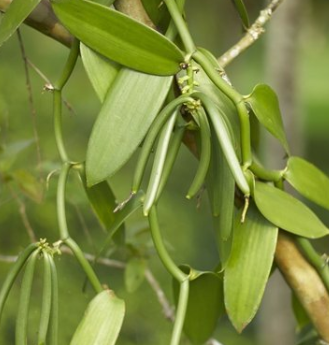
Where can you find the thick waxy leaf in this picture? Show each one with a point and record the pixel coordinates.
(127, 113)
(102, 201)
(265, 105)
(287, 212)
(205, 306)
(119, 37)
(14, 16)
(102, 321)
(249, 266)
(308, 180)
(134, 274)
(101, 71)
(242, 11)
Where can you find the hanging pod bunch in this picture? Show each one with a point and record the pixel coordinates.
(48, 324)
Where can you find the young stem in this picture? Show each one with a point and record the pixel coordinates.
(182, 28)
(181, 312)
(61, 213)
(161, 249)
(315, 259)
(67, 71)
(85, 265)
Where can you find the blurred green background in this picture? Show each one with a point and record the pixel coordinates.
(187, 229)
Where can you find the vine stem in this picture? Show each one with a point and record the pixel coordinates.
(182, 28)
(84, 264)
(180, 312)
(161, 249)
(61, 212)
(315, 259)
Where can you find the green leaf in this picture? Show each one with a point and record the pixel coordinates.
(118, 37)
(29, 185)
(300, 314)
(102, 321)
(14, 16)
(205, 305)
(100, 70)
(308, 180)
(127, 113)
(102, 200)
(242, 11)
(134, 274)
(265, 105)
(287, 212)
(249, 266)
(8, 154)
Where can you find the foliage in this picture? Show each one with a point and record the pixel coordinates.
(157, 91)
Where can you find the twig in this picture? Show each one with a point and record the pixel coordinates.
(31, 101)
(252, 35)
(23, 215)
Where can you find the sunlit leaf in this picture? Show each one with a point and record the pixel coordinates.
(14, 17)
(29, 184)
(127, 113)
(101, 322)
(134, 274)
(118, 37)
(101, 71)
(249, 266)
(265, 105)
(308, 180)
(287, 212)
(242, 11)
(205, 306)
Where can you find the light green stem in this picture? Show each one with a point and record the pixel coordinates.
(171, 32)
(182, 28)
(161, 249)
(181, 312)
(85, 265)
(315, 259)
(264, 174)
(67, 71)
(61, 212)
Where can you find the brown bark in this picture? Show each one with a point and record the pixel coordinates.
(305, 282)
(298, 273)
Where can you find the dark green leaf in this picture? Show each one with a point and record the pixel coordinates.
(308, 180)
(242, 11)
(265, 105)
(134, 274)
(118, 37)
(287, 212)
(158, 13)
(205, 306)
(300, 314)
(101, 322)
(249, 266)
(14, 16)
(101, 71)
(102, 200)
(130, 107)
